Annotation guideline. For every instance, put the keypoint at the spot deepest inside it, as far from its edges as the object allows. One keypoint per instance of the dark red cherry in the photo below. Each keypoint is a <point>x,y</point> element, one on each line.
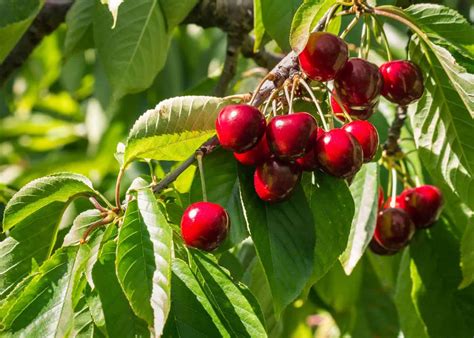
<point>423,204</point>
<point>289,136</point>
<point>359,83</point>
<point>239,127</point>
<point>324,55</point>
<point>274,180</point>
<point>376,248</point>
<point>367,136</point>
<point>309,161</point>
<point>256,155</point>
<point>204,225</point>
<point>403,82</point>
<point>360,113</point>
<point>394,229</point>
<point>339,154</point>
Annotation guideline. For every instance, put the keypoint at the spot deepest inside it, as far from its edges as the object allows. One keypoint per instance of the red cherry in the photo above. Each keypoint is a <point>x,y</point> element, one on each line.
<point>359,83</point>
<point>381,198</point>
<point>239,127</point>
<point>367,136</point>
<point>289,136</point>
<point>324,55</point>
<point>394,229</point>
<point>423,204</point>
<point>257,155</point>
<point>309,162</point>
<point>339,154</point>
<point>361,113</point>
<point>403,82</point>
<point>376,248</point>
<point>274,180</point>
<point>204,225</point>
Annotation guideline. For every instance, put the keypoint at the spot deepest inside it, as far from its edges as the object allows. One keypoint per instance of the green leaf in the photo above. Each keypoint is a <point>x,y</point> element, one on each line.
<point>32,217</point>
<point>15,19</point>
<point>435,275</point>
<point>364,189</point>
<point>135,50</point>
<point>234,304</point>
<point>277,16</point>
<point>332,225</point>
<point>83,324</point>
<point>306,18</point>
<point>144,258</point>
<point>79,21</point>
<point>467,255</point>
<point>284,237</point>
<point>222,183</point>
<point>174,128</point>
<point>176,11</point>
<point>120,321</point>
<point>45,307</point>
<point>258,26</point>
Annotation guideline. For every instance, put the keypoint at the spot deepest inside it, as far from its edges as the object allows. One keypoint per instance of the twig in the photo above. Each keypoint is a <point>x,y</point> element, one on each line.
<point>391,146</point>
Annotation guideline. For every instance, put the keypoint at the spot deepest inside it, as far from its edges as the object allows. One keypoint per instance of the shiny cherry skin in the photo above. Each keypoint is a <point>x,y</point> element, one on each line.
<point>289,136</point>
<point>402,81</point>
<point>381,199</point>
<point>256,155</point>
<point>360,113</point>
<point>367,136</point>
<point>423,204</point>
<point>324,55</point>
<point>376,248</point>
<point>394,229</point>
<point>239,127</point>
<point>274,180</point>
<point>204,225</point>
<point>359,83</point>
<point>309,161</point>
<point>339,154</point>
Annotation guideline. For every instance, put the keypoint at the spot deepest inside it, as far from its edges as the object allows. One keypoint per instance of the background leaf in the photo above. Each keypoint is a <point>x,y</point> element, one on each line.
<point>79,20</point>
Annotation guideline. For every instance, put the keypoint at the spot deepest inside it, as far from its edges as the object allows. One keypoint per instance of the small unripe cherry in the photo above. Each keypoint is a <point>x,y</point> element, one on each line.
<point>324,55</point>
<point>309,161</point>
<point>256,155</point>
<point>274,180</point>
<point>367,136</point>
<point>339,154</point>
<point>204,225</point>
<point>423,204</point>
<point>239,127</point>
<point>394,229</point>
<point>360,113</point>
<point>403,81</point>
<point>289,136</point>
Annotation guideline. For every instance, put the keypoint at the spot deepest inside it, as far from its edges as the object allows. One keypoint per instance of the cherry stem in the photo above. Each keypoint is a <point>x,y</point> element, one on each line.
<point>394,187</point>
<point>117,188</point>
<point>339,102</point>
<point>287,96</point>
<point>270,100</point>
<point>330,15</point>
<point>349,27</point>
<point>415,171</point>
<point>94,226</point>
<point>316,103</point>
<point>96,204</point>
<point>292,94</point>
<point>384,37</point>
<point>269,76</point>
<point>199,155</point>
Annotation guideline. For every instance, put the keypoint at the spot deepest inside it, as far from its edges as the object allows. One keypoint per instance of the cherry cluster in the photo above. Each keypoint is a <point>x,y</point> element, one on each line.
<point>414,208</point>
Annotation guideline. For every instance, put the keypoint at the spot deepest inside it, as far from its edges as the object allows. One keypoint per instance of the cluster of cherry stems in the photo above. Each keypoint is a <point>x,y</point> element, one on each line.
<point>289,144</point>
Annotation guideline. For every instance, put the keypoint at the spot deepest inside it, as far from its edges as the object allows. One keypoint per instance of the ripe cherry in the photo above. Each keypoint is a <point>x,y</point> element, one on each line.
<point>359,83</point>
<point>289,136</point>
<point>361,113</point>
<point>367,136</point>
<point>423,204</point>
<point>324,55</point>
<point>381,199</point>
<point>274,180</point>
<point>339,154</point>
<point>204,225</point>
<point>403,81</point>
<point>376,248</point>
<point>309,161</point>
<point>256,155</point>
<point>239,127</point>
<point>394,229</point>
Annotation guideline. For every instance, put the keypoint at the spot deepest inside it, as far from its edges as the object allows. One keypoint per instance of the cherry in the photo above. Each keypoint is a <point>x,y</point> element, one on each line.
<point>239,127</point>
<point>361,113</point>
<point>376,248</point>
<point>381,198</point>
<point>394,229</point>
<point>309,161</point>
<point>423,204</point>
<point>324,55</point>
<point>359,83</point>
<point>367,136</point>
<point>204,225</point>
<point>289,136</point>
<point>403,82</point>
<point>256,155</point>
<point>339,154</point>
<point>274,180</point>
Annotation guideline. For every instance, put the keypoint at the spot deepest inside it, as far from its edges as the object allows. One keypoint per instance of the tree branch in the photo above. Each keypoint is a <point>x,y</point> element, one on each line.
<point>234,43</point>
<point>391,146</point>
